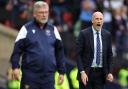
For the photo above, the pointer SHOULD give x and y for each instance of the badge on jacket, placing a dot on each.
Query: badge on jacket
(33, 30)
(48, 33)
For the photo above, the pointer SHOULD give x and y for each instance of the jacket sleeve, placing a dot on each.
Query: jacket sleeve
(79, 51)
(18, 48)
(59, 53)
(110, 54)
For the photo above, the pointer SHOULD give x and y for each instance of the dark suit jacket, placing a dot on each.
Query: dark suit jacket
(85, 51)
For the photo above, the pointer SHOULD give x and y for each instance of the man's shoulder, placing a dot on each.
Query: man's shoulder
(50, 24)
(106, 32)
(30, 23)
(86, 30)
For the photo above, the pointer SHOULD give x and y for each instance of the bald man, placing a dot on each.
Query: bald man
(94, 55)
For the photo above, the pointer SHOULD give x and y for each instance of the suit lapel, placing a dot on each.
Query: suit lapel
(91, 39)
(103, 40)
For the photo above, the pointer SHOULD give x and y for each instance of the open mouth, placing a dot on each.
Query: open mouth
(98, 24)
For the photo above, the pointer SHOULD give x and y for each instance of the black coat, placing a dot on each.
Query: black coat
(85, 51)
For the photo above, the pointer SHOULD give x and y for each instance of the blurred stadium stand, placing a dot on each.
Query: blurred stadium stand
(7, 37)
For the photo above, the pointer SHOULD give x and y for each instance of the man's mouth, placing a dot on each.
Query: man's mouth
(98, 24)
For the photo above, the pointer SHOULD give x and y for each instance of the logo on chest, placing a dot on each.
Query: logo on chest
(48, 32)
(33, 31)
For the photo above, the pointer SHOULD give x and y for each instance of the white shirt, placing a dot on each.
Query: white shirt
(95, 48)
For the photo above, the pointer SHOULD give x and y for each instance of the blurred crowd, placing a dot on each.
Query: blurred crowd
(71, 16)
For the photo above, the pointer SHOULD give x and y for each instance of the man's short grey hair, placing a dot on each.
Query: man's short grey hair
(40, 4)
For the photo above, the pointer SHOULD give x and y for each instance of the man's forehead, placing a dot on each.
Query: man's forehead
(42, 9)
(97, 14)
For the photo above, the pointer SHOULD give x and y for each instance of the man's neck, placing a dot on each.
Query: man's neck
(97, 28)
(40, 25)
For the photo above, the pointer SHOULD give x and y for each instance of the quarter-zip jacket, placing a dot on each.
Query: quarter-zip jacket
(41, 49)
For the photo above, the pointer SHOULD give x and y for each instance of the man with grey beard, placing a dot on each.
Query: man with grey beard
(40, 46)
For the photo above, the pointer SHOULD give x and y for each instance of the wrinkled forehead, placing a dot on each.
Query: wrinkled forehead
(97, 15)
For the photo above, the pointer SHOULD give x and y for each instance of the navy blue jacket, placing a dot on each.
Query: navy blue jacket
(41, 49)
